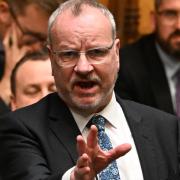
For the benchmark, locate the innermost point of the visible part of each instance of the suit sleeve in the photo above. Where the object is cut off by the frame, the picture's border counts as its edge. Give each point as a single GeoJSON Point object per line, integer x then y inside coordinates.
{"type": "Point", "coordinates": [21, 154]}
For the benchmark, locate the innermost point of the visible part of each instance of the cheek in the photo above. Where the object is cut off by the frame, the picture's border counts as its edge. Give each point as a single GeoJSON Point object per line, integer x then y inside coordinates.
{"type": "Point", "coordinates": [164, 32]}
{"type": "Point", "coordinates": [109, 72]}
{"type": "Point", "coordinates": [23, 100]}
{"type": "Point", "coordinates": [62, 77]}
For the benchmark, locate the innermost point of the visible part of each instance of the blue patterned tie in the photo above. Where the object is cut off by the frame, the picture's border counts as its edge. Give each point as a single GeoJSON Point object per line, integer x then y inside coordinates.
{"type": "Point", "coordinates": [111, 171]}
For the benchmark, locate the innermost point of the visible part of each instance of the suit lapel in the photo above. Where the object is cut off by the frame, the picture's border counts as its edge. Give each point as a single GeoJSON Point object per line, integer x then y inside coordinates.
{"type": "Point", "coordinates": [157, 75]}
{"type": "Point", "coordinates": [65, 129]}
{"type": "Point", "coordinates": [63, 125]}
{"type": "Point", "coordinates": [142, 138]}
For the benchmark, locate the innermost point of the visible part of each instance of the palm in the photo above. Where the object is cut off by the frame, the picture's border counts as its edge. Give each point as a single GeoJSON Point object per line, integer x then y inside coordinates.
{"type": "Point", "coordinates": [92, 158]}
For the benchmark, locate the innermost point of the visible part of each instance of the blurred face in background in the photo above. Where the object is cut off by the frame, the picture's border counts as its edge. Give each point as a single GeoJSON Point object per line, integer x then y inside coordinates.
{"type": "Point", "coordinates": [33, 81]}
{"type": "Point", "coordinates": [32, 25]}
{"type": "Point", "coordinates": [167, 26]}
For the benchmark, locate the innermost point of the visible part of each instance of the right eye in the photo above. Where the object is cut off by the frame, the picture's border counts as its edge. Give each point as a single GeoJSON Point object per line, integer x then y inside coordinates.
{"type": "Point", "coordinates": [169, 14]}
{"type": "Point", "coordinates": [68, 55]}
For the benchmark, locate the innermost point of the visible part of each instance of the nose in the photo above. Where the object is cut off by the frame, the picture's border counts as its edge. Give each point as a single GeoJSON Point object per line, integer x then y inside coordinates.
{"type": "Point", "coordinates": [83, 66]}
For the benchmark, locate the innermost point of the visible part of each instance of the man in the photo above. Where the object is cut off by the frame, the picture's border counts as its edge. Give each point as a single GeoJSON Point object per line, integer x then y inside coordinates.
{"type": "Point", "coordinates": [149, 66]}
{"type": "Point", "coordinates": [54, 138]}
{"type": "Point", "coordinates": [31, 80]}
{"type": "Point", "coordinates": [31, 18]}
{"type": "Point", "coordinates": [23, 29]}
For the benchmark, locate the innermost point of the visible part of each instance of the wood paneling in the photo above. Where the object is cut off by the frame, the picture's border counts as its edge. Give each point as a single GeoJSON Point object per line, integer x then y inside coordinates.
{"type": "Point", "coordinates": [132, 17]}
{"type": "Point", "coordinates": [145, 6]}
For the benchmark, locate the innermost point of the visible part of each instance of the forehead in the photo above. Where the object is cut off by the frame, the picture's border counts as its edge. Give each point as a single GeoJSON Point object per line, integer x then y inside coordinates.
{"type": "Point", "coordinates": [34, 68]}
{"type": "Point", "coordinates": [33, 19]}
{"type": "Point", "coordinates": [90, 24]}
{"type": "Point", "coordinates": [170, 4]}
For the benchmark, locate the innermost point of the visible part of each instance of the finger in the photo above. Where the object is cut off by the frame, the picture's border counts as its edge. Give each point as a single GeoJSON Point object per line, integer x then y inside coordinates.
{"type": "Point", "coordinates": [7, 38]}
{"type": "Point", "coordinates": [82, 161]}
{"type": "Point", "coordinates": [14, 34]}
{"type": "Point", "coordinates": [81, 145]}
{"type": "Point", "coordinates": [92, 139]}
{"type": "Point", "coordinates": [118, 151]}
{"type": "Point", "coordinates": [82, 169]}
{"type": "Point", "coordinates": [81, 173]}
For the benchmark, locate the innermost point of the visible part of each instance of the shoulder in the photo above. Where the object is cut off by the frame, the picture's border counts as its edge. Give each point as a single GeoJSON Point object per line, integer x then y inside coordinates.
{"type": "Point", "coordinates": [34, 115]}
{"type": "Point", "coordinates": [148, 114]}
{"type": "Point", "coordinates": [3, 107]}
{"type": "Point", "coordinates": [137, 48]}
{"type": "Point", "coordinates": [148, 39]}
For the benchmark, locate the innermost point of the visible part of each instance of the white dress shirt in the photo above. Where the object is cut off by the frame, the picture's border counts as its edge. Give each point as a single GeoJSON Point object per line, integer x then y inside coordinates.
{"type": "Point", "coordinates": [118, 131]}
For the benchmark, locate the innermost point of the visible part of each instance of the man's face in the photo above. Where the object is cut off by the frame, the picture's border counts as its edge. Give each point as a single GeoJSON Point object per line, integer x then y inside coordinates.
{"type": "Point", "coordinates": [167, 26]}
{"type": "Point", "coordinates": [32, 26]}
{"type": "Point", "coordinates": [33, 81]}
{"type": "Point", "coordinates": [87, 84]}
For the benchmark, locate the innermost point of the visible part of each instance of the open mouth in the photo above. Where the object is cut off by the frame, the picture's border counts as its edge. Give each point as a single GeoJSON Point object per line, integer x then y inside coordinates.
{"type": "Point", "coordinates": [86, 85]}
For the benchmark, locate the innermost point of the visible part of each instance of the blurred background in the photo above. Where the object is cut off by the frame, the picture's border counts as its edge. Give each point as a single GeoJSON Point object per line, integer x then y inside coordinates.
{"type": "Point", "coordinates": [133, 16]}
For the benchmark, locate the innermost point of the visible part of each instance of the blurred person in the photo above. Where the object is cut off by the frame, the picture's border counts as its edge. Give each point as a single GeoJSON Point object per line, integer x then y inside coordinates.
{"type": "Point", "coordinates": [23, 30]}
{"type": "Point", "coordinates": [31, 79]}
{"type": "Point", "coordinates": [84, 131]}
{"type": "Point", "coordinates": [149, 67]}
{"type": "Point", "coordinates": [31, 18]}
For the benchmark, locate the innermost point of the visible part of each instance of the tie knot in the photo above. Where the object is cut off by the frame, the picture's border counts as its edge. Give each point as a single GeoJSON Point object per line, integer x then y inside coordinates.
{"type": "Point", "coordinates": [99, 121]}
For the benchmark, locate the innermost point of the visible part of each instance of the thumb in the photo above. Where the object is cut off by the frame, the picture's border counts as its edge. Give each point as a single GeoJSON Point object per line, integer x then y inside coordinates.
{"type": "Point", "coordinates": [118, 151]}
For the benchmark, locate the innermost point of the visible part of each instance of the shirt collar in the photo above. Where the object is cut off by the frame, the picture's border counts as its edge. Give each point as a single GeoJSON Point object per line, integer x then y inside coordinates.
{"type": "Point", "coordinates": [109, 112]}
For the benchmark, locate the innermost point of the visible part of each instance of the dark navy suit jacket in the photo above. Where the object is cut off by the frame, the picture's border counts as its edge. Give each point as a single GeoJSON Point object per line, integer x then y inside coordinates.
{"type": "Point", "coordinates": [38, 142]}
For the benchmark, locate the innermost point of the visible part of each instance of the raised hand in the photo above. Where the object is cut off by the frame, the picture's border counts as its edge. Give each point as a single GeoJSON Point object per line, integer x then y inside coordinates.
{"type": "Point", "coordinates": [13, 53]}
{"type": "Point", "coordinates": [92, 159]}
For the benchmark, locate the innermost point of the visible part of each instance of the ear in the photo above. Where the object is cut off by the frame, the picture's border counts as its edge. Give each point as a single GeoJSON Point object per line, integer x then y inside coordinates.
{"type": "Point", "coordinates": [5, 16]}
{"type": "Point", "coordinates": [153, 17]}
{"type": "Point", "coordinates": [51, 57]}
{"type": "Point", "coordinates": [13, 102]}
{"type": "Point", "coordinates": [117, 46]}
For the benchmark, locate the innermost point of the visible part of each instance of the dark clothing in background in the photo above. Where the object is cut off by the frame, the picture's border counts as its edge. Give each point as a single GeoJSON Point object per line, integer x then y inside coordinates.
{"type": "Point", "coordinates": [3, 107]}
{"type": "Point", "coordinates": [39, 141]}
{"type": "Point", "coordinates": [142, 76]}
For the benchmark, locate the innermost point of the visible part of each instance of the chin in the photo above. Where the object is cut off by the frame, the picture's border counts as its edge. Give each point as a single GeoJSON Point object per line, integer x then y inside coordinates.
{"type": "Point", "coordinates": [86, 103]}
{"type": "Point", "coordinates": [89, 105]}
